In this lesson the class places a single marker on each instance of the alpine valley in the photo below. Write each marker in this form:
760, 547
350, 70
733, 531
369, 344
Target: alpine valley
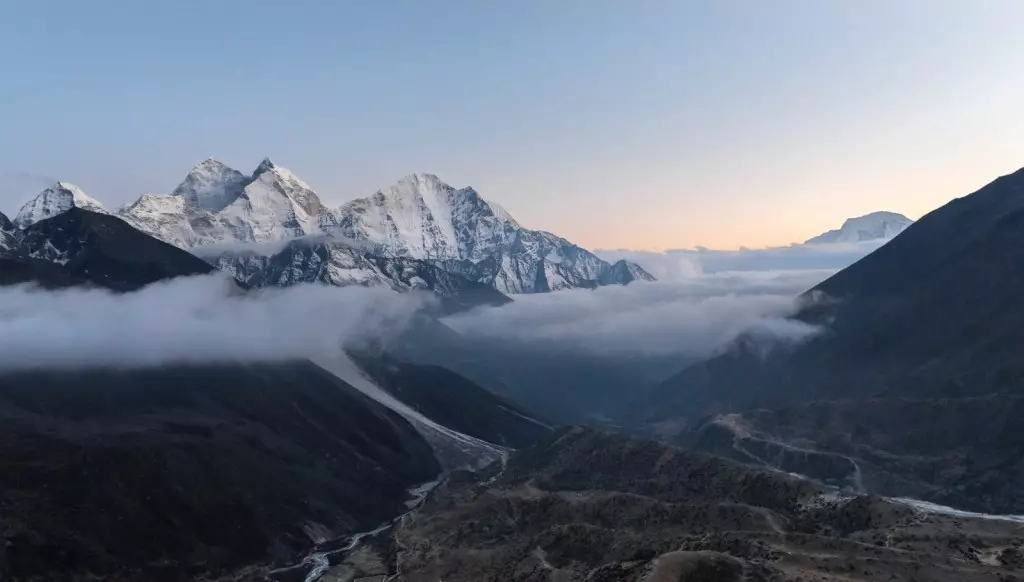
884, 446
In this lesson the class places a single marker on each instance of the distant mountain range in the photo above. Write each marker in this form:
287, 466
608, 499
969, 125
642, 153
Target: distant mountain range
401, 236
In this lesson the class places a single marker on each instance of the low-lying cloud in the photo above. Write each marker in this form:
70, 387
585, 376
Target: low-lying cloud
191, 320
689, 317
703, 299
683, 264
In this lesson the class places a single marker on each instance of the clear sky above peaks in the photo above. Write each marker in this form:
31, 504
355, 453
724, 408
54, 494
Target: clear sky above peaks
642, 124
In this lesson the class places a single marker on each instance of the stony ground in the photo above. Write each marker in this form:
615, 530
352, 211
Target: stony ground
587, 506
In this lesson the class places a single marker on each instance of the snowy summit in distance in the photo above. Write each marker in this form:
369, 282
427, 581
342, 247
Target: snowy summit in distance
870, 227
419, 218
55, 200
422, 217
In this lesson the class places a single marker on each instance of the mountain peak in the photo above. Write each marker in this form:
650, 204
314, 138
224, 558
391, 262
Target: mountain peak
211, 185
295, 188
265, 166
875, 218
417, 181
210, 163
881, 225
56, 199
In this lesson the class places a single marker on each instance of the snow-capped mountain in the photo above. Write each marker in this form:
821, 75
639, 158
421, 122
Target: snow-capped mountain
163, 217
216, 204
874, 226
420, 218
211, 186
55, 200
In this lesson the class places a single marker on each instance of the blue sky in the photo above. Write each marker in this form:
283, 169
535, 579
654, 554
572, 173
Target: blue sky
645, 124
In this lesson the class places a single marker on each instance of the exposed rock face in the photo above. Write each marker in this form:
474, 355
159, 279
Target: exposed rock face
338, 262
9, 235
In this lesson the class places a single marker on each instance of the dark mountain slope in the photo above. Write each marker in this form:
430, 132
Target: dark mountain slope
155, 474
453, 401
915, 383
935, 312
176, 472
106, 250
17, 270
565, 385
963, 452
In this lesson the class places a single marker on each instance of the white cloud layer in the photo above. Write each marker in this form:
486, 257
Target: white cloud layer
691, 318
682, 264
191, 320
703, 299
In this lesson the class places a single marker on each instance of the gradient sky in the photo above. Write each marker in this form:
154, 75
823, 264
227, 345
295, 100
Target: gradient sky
645, 124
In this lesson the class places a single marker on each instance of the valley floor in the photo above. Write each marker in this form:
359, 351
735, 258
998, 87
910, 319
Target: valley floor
586, 505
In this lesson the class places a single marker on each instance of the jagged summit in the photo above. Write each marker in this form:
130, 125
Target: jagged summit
417, 178
880, 225
422, 217
55, 200
419, 217
265, 166
218, 204
210, 186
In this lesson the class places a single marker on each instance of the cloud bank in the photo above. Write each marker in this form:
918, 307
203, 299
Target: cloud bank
691, 318
682, 264
191, 320
703, 300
